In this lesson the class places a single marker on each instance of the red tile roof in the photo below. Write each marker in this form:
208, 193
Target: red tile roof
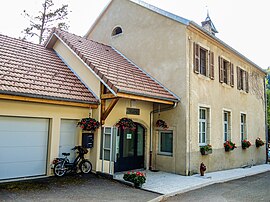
31, 70
115, 70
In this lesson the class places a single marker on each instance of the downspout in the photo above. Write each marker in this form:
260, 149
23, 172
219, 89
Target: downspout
151, 130
266, 124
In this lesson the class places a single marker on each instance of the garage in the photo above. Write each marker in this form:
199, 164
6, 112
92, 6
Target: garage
68, 137
23, 147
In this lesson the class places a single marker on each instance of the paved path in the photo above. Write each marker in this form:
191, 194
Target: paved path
170, 184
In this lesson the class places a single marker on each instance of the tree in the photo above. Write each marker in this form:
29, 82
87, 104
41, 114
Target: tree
46, 19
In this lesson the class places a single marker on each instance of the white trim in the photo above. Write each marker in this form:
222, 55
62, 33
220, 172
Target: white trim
117, 35
159, 142
245, 136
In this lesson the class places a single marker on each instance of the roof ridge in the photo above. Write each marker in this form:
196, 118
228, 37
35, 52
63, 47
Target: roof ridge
83, 37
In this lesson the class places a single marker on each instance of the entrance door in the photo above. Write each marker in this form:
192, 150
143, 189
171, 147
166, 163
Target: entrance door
131, 149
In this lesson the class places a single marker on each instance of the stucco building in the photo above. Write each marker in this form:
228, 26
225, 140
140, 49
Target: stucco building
136, 62
221, 91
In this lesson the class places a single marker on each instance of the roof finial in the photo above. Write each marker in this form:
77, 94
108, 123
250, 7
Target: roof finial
208, 24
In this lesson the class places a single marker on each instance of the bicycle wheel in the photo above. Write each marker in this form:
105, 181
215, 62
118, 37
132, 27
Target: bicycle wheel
58, 170
85, 166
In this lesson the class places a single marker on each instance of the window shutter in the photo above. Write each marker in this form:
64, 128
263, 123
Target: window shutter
196, 62
232, 75
247, 84
221, 70
212, 66
238, 78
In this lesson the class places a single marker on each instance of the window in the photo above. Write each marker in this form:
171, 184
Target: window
227, 125
226, 72
166, 142
203, 125
108, 136
203, 61
242, 80
243, 130
117, 31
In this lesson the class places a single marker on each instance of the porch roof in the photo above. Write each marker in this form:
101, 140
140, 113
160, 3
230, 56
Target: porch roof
31, 70
114, 70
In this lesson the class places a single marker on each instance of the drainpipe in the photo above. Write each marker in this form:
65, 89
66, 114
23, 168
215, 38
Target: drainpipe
266, 124
151, 129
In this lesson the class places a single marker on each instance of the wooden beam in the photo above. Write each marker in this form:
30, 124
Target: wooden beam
109, 109
47, 101
142, 98
103, 109
107, 96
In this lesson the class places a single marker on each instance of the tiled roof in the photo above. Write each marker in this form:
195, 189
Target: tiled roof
115, 70
31, 70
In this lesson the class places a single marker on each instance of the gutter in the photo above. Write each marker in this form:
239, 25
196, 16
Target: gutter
151, 129
266, 124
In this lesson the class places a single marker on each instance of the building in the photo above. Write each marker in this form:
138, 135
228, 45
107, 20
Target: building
179, 85
221, 91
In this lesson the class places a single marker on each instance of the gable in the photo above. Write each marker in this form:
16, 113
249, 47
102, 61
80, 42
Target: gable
31, 70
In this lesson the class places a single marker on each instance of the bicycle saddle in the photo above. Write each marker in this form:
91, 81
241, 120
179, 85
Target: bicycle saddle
65, 154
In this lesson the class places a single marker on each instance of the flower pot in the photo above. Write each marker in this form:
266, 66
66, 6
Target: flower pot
203, 152
137, 185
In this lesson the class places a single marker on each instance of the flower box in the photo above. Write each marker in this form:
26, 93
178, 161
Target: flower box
206, 149
138, 178
229, 146
245, 144
259, 142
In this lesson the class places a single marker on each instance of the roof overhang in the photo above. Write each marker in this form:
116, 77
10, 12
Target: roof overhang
47, 101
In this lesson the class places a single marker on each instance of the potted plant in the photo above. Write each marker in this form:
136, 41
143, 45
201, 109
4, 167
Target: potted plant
89, 124
137, 178
245, 144
161, 124
259, 142
206, 149
229, 145
126, 123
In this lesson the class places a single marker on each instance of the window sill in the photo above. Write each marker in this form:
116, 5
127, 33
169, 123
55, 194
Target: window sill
226, 85
201, 76
165, 154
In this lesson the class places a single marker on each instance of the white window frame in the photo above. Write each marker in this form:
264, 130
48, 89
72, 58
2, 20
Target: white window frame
208, 122
243, 134
229, 124
201, 121
159, 142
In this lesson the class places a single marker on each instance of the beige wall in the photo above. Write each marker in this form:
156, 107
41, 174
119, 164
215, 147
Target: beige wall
77, 66
218, 97
163, 59
52, 112
163, 48
118, 112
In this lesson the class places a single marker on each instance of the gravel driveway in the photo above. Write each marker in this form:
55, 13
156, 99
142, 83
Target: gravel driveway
72, 188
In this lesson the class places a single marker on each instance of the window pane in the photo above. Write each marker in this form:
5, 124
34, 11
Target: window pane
106, 155
108, 130
203, 137
225, 116
203, 127
202, 113
107, 141
128, 144
140, 141
203, 62
166, 142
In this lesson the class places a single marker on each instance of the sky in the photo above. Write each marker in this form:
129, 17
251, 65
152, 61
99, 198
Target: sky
242, 24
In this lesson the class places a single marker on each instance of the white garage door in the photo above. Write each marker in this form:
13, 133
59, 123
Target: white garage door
68, 137
23, 147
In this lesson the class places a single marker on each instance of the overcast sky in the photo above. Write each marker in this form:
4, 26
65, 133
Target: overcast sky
242, 24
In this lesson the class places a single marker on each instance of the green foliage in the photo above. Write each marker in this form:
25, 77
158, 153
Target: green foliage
45, 20
138, 178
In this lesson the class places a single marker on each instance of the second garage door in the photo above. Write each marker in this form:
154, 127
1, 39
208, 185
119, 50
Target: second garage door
23, 147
